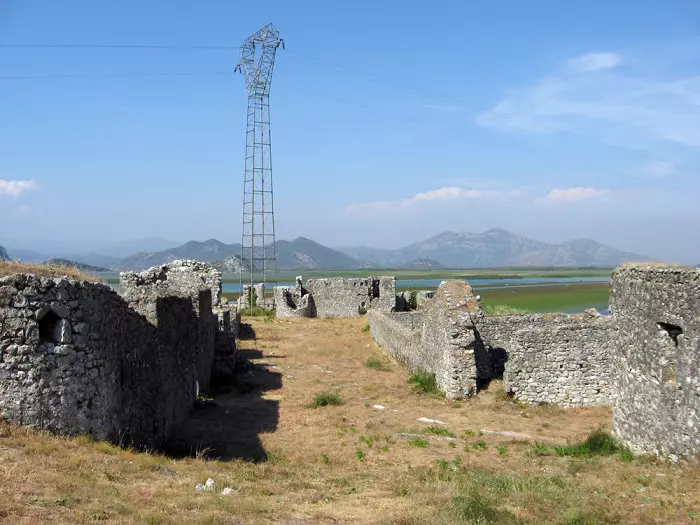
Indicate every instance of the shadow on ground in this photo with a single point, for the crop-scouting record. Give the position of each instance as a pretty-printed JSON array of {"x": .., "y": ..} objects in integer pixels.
[{"x": 228, "y": 425}]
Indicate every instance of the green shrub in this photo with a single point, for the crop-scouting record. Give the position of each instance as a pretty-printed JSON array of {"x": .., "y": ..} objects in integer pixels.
[
  {"x": 257, "y": 312},
  {"x": 438, "y": 431},
  {"x": 424, "y": 382},
  {"x": 366, "y": 328},
  {"x": 598, "y": 443},
  {"x": 420, "y": 443},
  {"x": 326, "y": 399}
]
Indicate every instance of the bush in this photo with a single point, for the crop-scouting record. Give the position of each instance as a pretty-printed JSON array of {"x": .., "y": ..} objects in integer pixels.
[
  {"x": 420, "y": 443},
  {"x": 326, "y": 399},
  {"x": 257, "y": 312},
  {"x": 438, "y": 431},
  {"x": 424, "y": 383},
  {"x": 598, "y": 443}
]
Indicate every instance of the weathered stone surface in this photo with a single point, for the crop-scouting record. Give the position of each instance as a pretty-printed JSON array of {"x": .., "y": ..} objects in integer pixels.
[
  {"x": 657, "y": 408},
  {"x": 352, "y": 297},
  {"x": 440, "y": 340},
  {"x": 80, "y": 360},
  {"x": 561, "y": 359},
  {"x": 197, "y": 281}
]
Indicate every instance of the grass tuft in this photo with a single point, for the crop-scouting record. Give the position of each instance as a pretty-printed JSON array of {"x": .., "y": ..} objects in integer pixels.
[
  {"x": 418, "y": 442},
  {"x": 376, "y": 364},
  {"x": 438, "y": 431},
  {"x": 326, "y": 399},
  {"x": 424, "y": 382},
  {"x": 598, "y": 443},
  {"x": 257, "y": 312}
]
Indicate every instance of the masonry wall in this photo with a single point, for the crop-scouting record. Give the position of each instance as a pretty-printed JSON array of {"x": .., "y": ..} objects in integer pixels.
[
  {"x": 77, "y": 359},
  {"x": 399, "y": 334},
  {"x": 561, "y": 359},
  {"x": 352, "y": 297},
  {"x": 293, "y": 301},
  {"x": 440, "y": 340},
  {"x": 657, "y": 409},
  {"x": 193, "y": 280}
]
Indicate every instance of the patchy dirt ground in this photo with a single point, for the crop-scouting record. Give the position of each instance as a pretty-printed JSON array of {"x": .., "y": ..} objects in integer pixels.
[{"x": 285, "y": 462}]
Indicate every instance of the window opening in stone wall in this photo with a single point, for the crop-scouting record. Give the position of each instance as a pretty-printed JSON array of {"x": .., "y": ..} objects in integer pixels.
[
  {"x": 375, "y": 288},
  {"x": 50, "y": 328},
  {"x": 672, "y": 330}
]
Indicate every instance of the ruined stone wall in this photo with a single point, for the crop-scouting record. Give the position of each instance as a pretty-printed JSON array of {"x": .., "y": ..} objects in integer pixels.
[
  {"x": 448, "y": 335},
  {"x": 352, "y": 297},
  {"x": 657, "y": 409},
  {"x": 77, "y": 359},
  {"x": 293, "y": 302},
  {"x": 561, "y": 359},
  {"x": 440, "y": 340},
  {"x": 399, "y": 334},
  {"x": 192, "y": 280}
]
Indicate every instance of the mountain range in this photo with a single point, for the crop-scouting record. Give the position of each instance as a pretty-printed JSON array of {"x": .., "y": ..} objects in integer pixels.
[{"x": 490, "y": 249}]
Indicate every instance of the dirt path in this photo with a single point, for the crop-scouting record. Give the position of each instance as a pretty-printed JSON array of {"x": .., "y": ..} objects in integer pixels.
[{"x": 283, "y": 462}]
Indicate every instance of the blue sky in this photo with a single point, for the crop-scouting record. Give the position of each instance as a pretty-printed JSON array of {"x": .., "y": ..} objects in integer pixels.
[{"x": 391, "y": 121}]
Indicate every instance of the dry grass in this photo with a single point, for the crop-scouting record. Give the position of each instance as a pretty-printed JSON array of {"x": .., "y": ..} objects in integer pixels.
[
  {"x": 68, "y": 272},
  {"x": 342, "y": 464}
]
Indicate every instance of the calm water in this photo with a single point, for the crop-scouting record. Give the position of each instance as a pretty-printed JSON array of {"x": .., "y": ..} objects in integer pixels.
[{"x": 477, "y": 284}]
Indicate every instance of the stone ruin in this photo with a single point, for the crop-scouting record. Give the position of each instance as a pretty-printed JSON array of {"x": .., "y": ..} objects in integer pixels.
[
  {"x": 643, "y": 360},
  {"x": 79, "y": 358},
  {"x": 336, "y": 297}
]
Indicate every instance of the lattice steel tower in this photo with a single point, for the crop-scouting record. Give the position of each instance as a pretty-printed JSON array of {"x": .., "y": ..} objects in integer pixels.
[{"x": 258, "y": 227}]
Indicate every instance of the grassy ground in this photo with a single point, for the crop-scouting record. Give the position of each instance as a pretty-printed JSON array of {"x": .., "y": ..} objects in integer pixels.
[
  {"x": 464, "y": 274},
  {"x": 325, "y": 454},
  {"x": 12, "y": 267},
  {"x": 563, "y": 298},
  {"x": 560, "y": 298}
]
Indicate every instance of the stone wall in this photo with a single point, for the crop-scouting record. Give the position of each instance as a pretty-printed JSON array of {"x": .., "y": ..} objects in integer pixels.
[
  {"x": 192, "y": 280},
  {"x": 294, "y": 301},
  {"x": 352, "y": 297},
  {"x": 77, "y": 359},
  {"x": 657, "y": 308},
  {"x": 399, "y": 334},
  {"x": 562, "y": 359},
  {"x": 440, "y": 340}
]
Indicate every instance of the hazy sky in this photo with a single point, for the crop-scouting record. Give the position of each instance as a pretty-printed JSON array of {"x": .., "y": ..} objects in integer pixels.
[{"x": 391, "y": 120}]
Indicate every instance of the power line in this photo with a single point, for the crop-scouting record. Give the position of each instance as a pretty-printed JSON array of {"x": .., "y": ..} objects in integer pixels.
[
  {"x": 351, "y": 71},
  {"x": 112, "y": 46},
  {"x": 114, "y": 75}
]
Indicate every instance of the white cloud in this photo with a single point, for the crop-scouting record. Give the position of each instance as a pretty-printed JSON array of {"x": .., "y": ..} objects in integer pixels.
[
  {"x": 14, "y": 188},
  {"x": 574, "y": 194},
  {"x": 591, "y": 91},
  {"x": 595, "y": 62},
  {"x": 659, "y": 169},
  {"x": 442, "y": 194}
]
